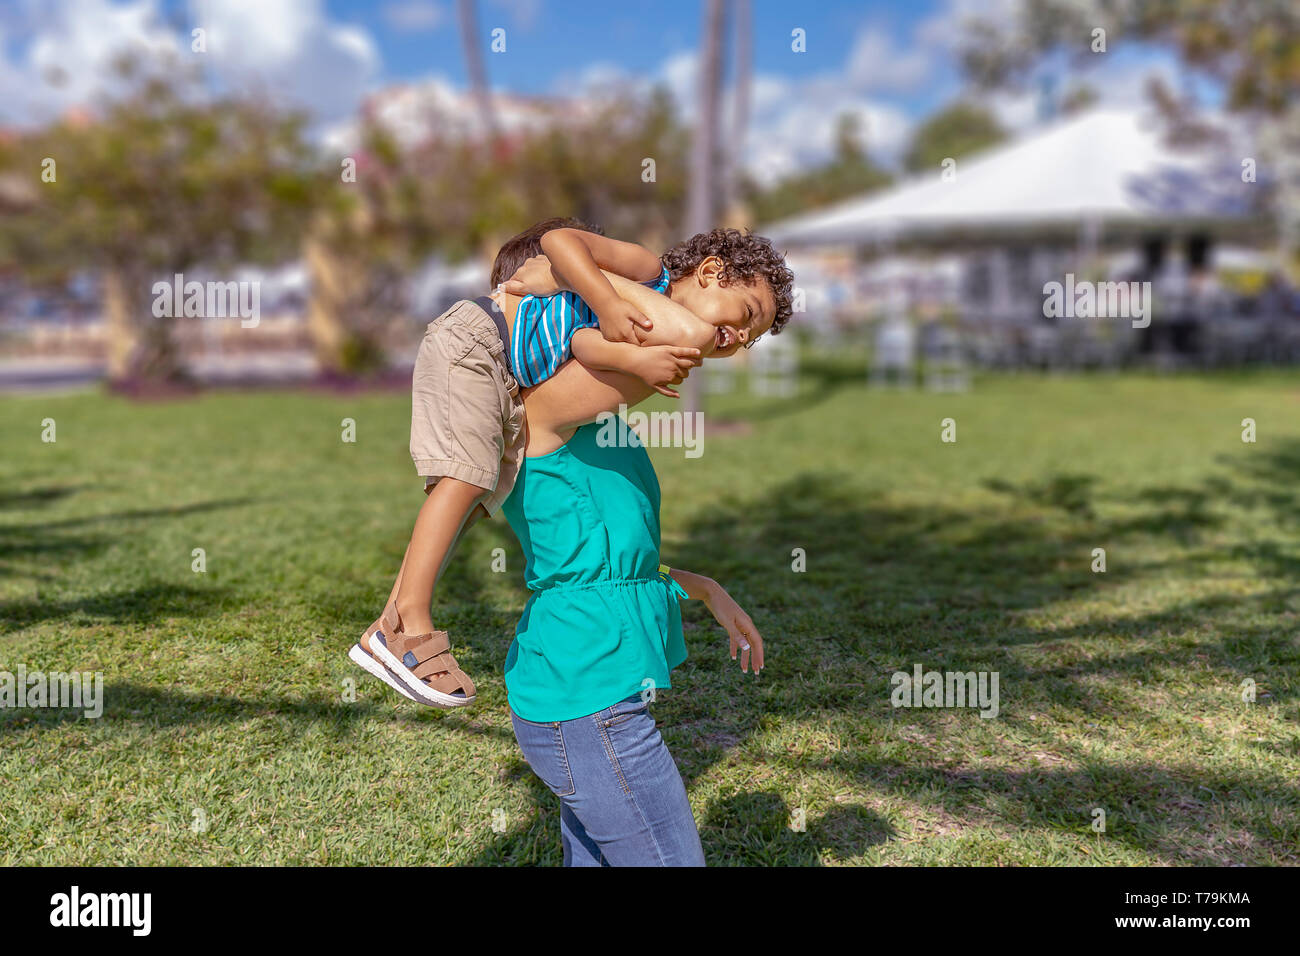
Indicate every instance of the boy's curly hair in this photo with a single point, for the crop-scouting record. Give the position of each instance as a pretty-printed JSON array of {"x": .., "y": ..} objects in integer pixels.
[{"x": 744, "y": 256}]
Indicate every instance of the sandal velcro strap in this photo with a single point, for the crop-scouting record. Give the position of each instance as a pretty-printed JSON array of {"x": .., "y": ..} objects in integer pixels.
[
  {"x": 453, "y": 681},
  {"x": 431, "y": 646},
  {"x": 439, "y": 664},
  {"x": 390, "y": 621}
]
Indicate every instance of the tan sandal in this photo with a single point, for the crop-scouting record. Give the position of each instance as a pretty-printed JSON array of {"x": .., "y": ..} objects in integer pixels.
[
  {"x": 361, "y": 655},
  {"x": 422, "y": 663}
]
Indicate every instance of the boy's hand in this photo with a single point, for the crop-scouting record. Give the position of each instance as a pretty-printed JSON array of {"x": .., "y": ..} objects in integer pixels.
[
  {"x": 534, "y": 277},
  {"x": 662, "y": 365},
  {"x": 619, "y": 319}
]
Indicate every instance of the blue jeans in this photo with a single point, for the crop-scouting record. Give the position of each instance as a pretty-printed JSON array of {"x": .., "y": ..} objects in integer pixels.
[{"x": 622, "y": 801}]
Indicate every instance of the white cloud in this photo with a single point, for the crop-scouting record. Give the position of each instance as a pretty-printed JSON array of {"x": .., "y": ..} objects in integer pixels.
[
  {"x": 414, "y": 16},
  {"x": 797, "y": 128},
  {"x": 1120, "y": 85},
  {"x": 793, "y": 121},
  {"x": 878, "y": 63},
  {"x": 68, "y": 60},
  {"x": 1119, "y": 81},
  {"x": 290, "y": 50},
  {"x": 945, "y": 29},
  {"x": 287, "y": 49}
]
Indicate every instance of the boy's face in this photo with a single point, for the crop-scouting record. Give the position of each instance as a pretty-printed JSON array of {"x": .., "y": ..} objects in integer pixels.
[{"x": 741, "y": 310}]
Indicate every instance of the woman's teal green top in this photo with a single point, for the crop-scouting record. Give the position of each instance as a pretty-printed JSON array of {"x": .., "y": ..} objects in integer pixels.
[{"x": 603, "y": 621}]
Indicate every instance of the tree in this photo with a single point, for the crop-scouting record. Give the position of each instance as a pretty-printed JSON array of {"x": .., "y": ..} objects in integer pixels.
[
  {"x": 958, "y": 130},
  {"x": 1078, "y": 99},
  {"x": 162, "y": 181},
  {"x": 1252, "y": 49},
  {"x": 445, "y": 197},
  {"x": 594, "y": 167}
]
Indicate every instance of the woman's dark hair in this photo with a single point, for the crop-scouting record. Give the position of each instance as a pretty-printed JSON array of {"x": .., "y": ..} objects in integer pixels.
[
  {"x": 529, "y": 243},
  {"x": 744, "y": 256}
]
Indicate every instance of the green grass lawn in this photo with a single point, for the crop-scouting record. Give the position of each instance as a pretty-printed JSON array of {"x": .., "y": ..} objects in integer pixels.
[{"x": 226, "y": 690}]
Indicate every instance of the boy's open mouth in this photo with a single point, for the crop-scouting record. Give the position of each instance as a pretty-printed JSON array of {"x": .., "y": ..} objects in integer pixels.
[{"x": 725, "y": 338}]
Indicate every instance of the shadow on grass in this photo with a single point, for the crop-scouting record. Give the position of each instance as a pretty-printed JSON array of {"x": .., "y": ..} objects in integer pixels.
[
  {"x": 746, "y": 829},
  {"x": 1168, "y": 811},
  {"x": 888, "y": 585},
  {"x": 1072, "y": 493},
  {"x": 136, "y": 514},
  {"x": 57, "y": 538},
  {"x": 156, "y": 708},
  {"x": 762, "y": 829},
  {"x": 459, "y": 600},
  {"x": 146, "y": 604},
  {"x": 12, "y": 500}
]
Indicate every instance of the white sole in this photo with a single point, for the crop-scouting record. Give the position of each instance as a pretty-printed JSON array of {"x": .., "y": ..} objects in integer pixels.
[
  {"x": 414, "y": 686},
  {"x": 376, "y": 669}
]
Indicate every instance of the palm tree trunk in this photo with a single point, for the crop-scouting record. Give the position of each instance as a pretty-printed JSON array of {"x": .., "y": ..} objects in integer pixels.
[
  {"x": 471, "y": 41},
  {"x": 744, "y": 50},
  {"x": 701, "y": 202}
]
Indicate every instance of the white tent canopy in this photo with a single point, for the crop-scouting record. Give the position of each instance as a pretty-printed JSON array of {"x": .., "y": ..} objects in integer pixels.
[{"x": 1104, "y": 168}]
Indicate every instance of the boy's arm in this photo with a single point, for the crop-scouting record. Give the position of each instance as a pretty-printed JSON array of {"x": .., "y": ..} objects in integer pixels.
[
  {"x": 577, "y": 258},
  {"x": 659, "y": 366}
]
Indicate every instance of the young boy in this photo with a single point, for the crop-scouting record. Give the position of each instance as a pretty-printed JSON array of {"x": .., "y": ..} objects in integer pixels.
[{"x": 467, "y": 414}]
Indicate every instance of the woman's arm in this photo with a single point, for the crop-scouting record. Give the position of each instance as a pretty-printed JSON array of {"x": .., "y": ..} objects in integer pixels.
[
  {"x": 656, "y": 365},
  {"x": 576, "y": 395},
  {"x": 740, "y": 628},
  {"x": 673, "y": 324}
]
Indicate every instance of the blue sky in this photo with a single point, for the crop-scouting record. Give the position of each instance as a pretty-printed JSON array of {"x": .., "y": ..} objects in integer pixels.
[
  {"x": 888, "y": 63},
  {"x": 549, "y": 39}
]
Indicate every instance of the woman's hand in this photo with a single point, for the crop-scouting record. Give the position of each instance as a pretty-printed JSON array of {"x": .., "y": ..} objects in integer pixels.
[{"x": 744, "y": 635}]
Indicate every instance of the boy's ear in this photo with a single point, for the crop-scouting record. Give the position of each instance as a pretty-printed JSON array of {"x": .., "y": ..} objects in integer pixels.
[{"x": 709, "y": 270}]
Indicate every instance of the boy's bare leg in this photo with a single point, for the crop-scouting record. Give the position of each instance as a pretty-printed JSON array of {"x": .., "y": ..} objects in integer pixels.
[
  {"x": 449, "y": 508},
  {"x": 392, "y": 595},
  {"x": 474, "y": 516}
]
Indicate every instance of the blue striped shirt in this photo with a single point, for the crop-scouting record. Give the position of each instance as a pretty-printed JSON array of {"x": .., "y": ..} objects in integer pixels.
[{"x": 544, "y": 328}]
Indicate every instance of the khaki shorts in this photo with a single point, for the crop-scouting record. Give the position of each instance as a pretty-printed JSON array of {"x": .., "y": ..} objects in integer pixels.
[{"x": 467, "y": 420}]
